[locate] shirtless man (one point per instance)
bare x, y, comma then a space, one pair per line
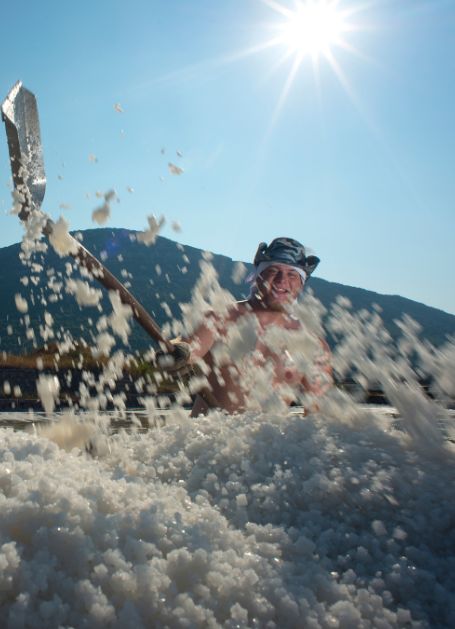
233, 348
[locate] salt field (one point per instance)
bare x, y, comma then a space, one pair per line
340, 518
255, 520
267, 518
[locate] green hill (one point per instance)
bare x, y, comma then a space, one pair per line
165, 272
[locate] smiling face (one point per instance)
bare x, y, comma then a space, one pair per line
278, 286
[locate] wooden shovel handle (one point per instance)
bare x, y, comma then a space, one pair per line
109, 281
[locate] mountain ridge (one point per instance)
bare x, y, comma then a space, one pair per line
162, 273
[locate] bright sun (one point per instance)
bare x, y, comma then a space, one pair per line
313, 31
313, 28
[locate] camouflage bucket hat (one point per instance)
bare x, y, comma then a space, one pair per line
286, 251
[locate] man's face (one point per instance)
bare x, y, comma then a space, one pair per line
279, 285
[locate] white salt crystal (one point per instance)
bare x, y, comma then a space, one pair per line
148, 236
62, 242
48, 388
101, 214
174, 170
238, 272
21, 303
85, 294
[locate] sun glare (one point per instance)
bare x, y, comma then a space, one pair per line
313, 28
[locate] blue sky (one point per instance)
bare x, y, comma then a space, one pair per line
359, 168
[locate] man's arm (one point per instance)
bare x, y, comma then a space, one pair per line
187, 351
203, 338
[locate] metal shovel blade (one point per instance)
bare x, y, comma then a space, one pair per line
20, 115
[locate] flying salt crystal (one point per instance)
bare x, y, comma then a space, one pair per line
196, 383
174, 170
92, 158
130, 189
175, 225
148, 236
102, 323
18, 202
179, 153
21, 303
61, 240
166, 309
46, 332
119, 319
48, 389
68, 433
238, 272
109, 196
68, 268
343, 302
118, 108
101, 214
85, 294
64, 206
55, 286
104, 342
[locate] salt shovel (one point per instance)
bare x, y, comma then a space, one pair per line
20, 115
